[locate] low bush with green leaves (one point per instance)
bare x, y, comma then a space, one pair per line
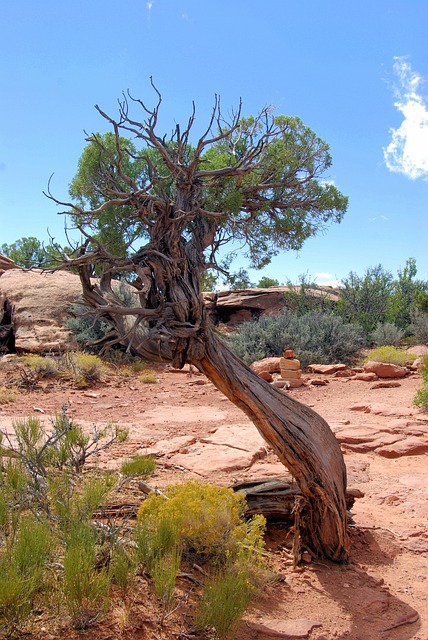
315, 336
204, 523
82, 369
53, 547
390, 355
387, 334
421, 399
419, 326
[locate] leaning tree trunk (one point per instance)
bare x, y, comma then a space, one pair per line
172, 326
302, 440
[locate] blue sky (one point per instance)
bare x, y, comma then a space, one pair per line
355, 72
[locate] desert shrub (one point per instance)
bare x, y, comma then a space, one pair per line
387, 334
203, 522
42, 366
164, 573
86, 329
226, 596
419, 327
138, 466
86, 591
316, 336
390, 354
122, 568
365, 300
204, 516
21, 570
6, 395
83, 369
148, 377
421, 399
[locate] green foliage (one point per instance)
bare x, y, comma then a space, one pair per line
387, 334
42, 366
239, 280
148, 377
26, 252
390, 355
308, 296
22, 568
85, 590
138, 466
266, 282
316, 337
225, 599
164, 573
86, 329
84, 369
421, 399
203, 522
407, 296
365, 300
115, 227
419, 326
204, 515
30, 252
261, 208
122, 568
208, 281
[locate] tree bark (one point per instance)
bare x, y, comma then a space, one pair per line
300, 437
302, 440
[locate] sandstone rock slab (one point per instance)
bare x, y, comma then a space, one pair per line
385, 370
39, 303
267, 364
410, 446
327, 369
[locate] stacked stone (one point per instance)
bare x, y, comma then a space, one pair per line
290, 369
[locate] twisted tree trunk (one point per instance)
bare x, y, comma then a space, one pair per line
170, 324
302, 440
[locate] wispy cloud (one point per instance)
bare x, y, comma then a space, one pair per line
407, 152
325, 279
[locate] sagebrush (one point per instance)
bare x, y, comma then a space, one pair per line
316, 337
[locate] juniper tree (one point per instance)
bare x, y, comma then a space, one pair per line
259, 182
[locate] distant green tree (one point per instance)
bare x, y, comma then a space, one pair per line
407, 295
365, 300
239, 280
25, 252
266, 282
31, 252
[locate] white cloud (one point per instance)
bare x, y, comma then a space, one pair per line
325, 279
407, 152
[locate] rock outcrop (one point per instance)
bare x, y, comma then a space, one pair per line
246, 304
33, 307
6, 264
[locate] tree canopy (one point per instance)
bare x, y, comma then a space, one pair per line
259, 182
25, 252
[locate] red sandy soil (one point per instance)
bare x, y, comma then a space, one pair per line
382, 593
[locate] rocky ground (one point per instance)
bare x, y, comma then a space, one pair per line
195, 432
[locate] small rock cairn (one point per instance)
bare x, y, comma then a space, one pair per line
290, 369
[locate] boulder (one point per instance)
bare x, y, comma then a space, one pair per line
365, 377
326, 368
6, 264
36, 304
267, 364
385, 369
